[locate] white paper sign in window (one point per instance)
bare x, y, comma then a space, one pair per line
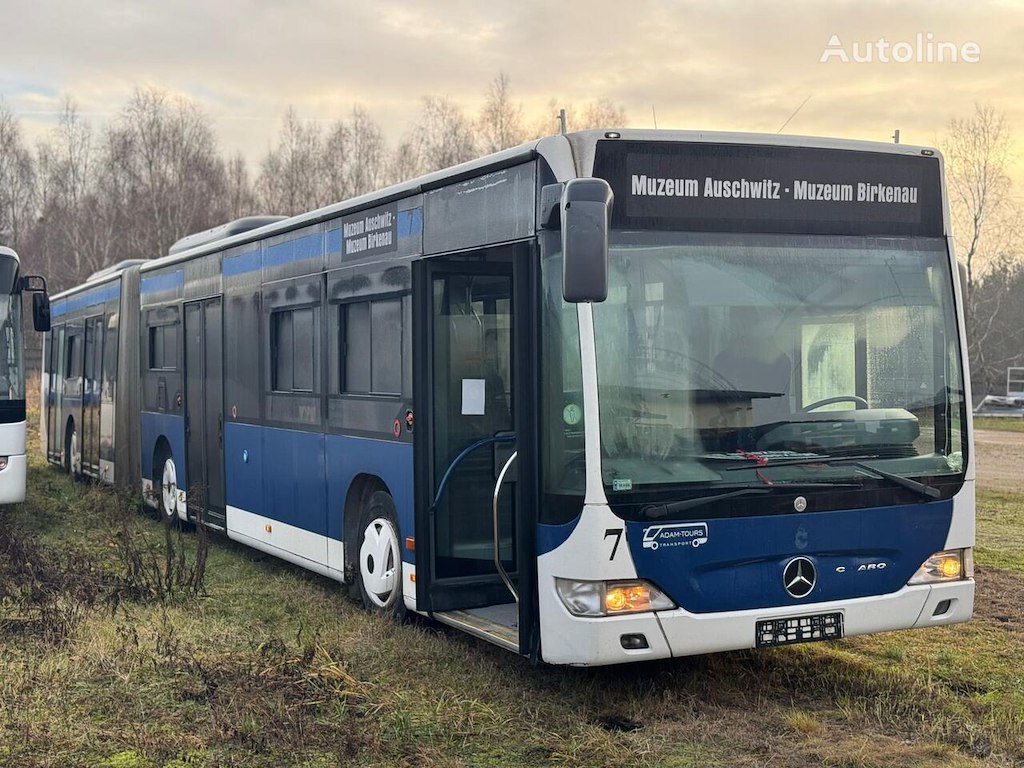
473, 396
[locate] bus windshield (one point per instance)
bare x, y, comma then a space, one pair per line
720, 355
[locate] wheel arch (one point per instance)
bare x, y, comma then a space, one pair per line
161, 451
360, 489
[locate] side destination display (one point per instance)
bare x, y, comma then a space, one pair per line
742, 188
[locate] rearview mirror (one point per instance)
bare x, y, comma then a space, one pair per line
585, 212
36, 285
41, 312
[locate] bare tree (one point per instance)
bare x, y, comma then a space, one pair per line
161, 159
602, 113
240, 192
73, 234
405, 162
501, 120
17, 179
443, 135
354, 157
369, 169
290, 175
986, 229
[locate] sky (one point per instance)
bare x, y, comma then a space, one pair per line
695, 64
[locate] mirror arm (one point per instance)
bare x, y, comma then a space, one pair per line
27, 286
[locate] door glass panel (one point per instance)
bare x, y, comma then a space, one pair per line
472, 349
194, 374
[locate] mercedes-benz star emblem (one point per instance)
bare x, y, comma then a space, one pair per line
798, 577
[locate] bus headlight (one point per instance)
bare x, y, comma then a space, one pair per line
948, 565
3, 463
610, 598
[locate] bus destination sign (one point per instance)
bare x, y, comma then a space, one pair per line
369, 233
758, 188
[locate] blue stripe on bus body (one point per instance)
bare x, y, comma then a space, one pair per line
242, 263
333, 244
299, 249
303, 478
736, 564
88, 299
410, 223
154, 425
166, 282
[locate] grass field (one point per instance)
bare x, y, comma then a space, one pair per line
1005, 424
114, 654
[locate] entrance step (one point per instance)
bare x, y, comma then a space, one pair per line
498, 624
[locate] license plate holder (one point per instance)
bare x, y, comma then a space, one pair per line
799, 629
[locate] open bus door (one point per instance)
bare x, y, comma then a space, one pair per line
476, 509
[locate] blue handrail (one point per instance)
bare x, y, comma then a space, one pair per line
508, 438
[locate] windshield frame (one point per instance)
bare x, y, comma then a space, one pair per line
850, 487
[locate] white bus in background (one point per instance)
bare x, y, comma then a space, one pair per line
12, 371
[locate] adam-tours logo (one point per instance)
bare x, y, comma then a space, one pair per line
675, 535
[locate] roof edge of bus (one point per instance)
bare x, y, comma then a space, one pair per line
742, 137
10, 253
120, 266
434, 180
222, 232
581, 144
100, 276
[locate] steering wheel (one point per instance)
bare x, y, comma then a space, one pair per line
860, 401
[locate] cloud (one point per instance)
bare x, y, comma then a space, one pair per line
698, 64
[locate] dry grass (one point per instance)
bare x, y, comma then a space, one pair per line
268, 665
1003, 424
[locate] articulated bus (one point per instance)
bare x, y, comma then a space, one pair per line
605, 397
13, 461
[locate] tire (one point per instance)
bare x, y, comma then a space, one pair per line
165, 483
379, 569
72, 460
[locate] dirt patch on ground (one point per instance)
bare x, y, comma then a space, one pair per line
999, 596
1000, 459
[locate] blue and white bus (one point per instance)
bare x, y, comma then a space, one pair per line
604, 397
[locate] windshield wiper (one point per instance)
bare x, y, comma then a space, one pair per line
912, 485
654, 511
767, 461
857, 461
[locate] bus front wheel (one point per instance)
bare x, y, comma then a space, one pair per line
380, 557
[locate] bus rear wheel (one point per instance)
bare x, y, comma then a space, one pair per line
166, 484
380, 557
72, 461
